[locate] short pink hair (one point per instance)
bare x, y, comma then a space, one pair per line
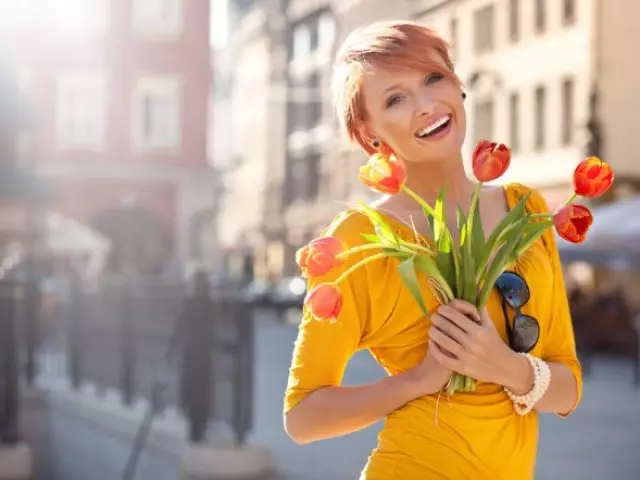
393, 45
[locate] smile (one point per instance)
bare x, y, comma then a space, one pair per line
439, 126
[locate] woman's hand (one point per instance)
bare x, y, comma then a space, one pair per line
467, 342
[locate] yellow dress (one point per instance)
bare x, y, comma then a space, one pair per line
477, 435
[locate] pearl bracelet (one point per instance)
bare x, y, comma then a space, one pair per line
523, 404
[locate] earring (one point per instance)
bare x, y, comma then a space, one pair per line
464, 95
375, 144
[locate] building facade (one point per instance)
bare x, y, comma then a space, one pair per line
119, 89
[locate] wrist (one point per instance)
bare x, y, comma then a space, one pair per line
518, 376
426, 378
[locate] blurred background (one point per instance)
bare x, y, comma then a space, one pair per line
162, 160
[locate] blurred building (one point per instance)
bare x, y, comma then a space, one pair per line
119, 89
617, 96
248, 141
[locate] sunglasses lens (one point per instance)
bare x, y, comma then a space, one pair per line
513, 288
526, 332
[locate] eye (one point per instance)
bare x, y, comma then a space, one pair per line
433, 78
393, 99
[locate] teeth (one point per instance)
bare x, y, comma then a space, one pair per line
431, 128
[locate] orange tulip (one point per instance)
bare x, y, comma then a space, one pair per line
320, 256
490, 160
592, 177
383, 173
324, 301
572, 222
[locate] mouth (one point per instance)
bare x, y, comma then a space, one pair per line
437, 127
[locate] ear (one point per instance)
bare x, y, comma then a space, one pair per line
366, 138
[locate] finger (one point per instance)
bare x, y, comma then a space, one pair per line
486, 318
442, 358
459, 319
465, 308
445, 342
448, 327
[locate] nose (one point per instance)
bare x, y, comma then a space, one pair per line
426, 105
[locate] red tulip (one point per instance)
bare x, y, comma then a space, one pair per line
324, 301
572, 222
592, 177
320, 256
383, 174
490, 160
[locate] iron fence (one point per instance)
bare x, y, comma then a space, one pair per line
182, 344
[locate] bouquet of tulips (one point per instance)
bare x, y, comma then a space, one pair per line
466, 269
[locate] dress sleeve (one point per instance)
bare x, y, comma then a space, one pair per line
560, 346
323, 349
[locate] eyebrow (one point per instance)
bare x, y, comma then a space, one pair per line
392, 87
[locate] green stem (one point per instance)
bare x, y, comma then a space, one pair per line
541, 215
366, 260
571, 199
475, 198
428, 208
377, 246
419, 247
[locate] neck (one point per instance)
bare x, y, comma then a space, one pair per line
428, 178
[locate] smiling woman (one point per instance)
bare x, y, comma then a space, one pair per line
398, 97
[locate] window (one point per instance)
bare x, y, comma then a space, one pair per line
484, 29
453, 29
514, 20
514, 123
81, 110
540, 114
483, 124
301, 41
540, 13
157, 18
567, 111
326, 31
569, 12
157, 113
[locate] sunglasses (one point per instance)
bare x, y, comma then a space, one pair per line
514, 292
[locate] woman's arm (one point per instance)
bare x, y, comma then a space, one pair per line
560, 397
334, 411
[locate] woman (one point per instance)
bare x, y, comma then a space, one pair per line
396, 91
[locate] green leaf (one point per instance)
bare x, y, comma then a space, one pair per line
439, 226
469, 285
496, 238
445, 264
531, 236
407, 269
384, 230
475, 228
370, 237
508, 220
429, 268
500, 261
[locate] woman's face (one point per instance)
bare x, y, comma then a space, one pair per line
419, 115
